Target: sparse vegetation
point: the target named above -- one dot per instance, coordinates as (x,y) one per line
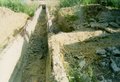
(68,3)
(71,17)
(19,6)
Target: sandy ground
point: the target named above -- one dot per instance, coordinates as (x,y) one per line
(10,24)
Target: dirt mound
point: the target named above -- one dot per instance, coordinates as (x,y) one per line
(74,18)
(84,17)
(5,11)
(10,23)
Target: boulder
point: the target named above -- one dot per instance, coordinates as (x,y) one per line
(118,20)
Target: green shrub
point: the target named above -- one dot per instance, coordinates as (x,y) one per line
(114,3)
(18,6)
(69,3)
(88,1)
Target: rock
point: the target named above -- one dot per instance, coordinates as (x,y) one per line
(117,61)
(113,24)
(118,20)
(105,16)
(84,78)
(82,63)
(116,52)
(110,49)
(102,79)
(94,24)
(99,25)
(86,24)
(105,80)
(104,24)
(92,20)
(109,80)
(114,66)
(105,62)
(113,51)
(101,52)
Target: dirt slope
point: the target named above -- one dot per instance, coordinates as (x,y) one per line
(10,23)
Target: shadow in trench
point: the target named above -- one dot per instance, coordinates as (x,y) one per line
(32,64)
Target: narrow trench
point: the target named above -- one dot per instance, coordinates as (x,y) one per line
(36,53)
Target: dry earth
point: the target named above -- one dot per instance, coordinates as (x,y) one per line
(10,24)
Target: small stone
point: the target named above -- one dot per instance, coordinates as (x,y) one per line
(116,52)
(98,25)
(101,52)
(109,80)
(113,51)
(94,24)
(117,61)
(105,17)
(82,63)
(104,25)
(110,49)
(92,20)
(118,20)
(113,24)
(103,64)
(102,79)
(114,66)
(85,24)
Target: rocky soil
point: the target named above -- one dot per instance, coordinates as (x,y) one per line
(93,59)
(80,18)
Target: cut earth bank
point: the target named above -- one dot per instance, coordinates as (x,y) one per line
(10,25)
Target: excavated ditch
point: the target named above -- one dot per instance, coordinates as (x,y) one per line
(83,54)
(34,70)
(33,62)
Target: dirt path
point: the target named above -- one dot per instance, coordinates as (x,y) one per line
(34,70)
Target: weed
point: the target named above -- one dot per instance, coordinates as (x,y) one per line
(71,17)
(69,3)
(19,6)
